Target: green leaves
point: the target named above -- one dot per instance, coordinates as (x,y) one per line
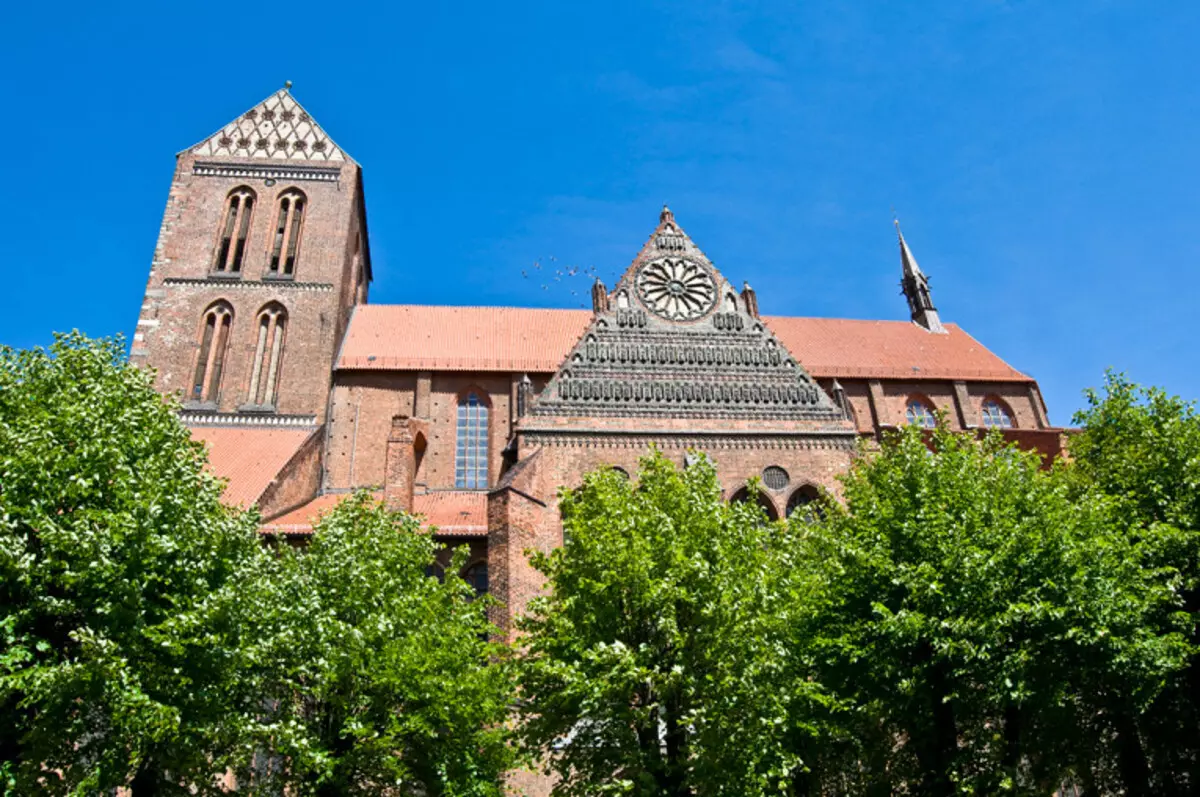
(658,662)
(968,621)
(112,536)
(379,676)
(148,637)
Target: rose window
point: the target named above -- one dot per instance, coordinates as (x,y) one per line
(676,289)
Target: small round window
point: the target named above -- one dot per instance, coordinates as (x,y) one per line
(775,477)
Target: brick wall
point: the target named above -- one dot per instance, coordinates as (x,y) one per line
(318,299)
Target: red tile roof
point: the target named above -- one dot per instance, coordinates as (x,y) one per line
(417,337)
(841,347)
(249,458)
(425,338)
(301,519)
(454,513)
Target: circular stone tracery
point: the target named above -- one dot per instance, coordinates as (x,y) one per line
(676,289)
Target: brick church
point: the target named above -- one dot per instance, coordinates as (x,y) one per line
(256,314)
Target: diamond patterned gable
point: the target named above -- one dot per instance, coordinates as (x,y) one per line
(278,128)
(677,341)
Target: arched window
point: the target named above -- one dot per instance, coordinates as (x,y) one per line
(235,229)
(918,413)
(996,415)
(210,359)
(743,496)
(268,353)
(471,452)
(804,500)
(285,246)
(477,576)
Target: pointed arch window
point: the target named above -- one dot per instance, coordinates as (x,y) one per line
(996,415)
(268,354)
(918,413)
(235,229)
(285,242)
(806,500)
(471,451)
(215,326)
(744,496)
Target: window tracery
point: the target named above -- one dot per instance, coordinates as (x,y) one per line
(235,229)
(285,244)
(215,326)
(268,355)
(743,495)
(996,415)
(918,413)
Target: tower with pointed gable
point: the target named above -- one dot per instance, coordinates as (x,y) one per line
(261,257)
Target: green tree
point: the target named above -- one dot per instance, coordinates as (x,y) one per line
(979,609)
(113,541)
(1141,447)
(656,664)
(374,677)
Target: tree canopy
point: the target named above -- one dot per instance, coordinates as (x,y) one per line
(149,638)
(375,677)
(657,662)
(113,539)
(1141,448)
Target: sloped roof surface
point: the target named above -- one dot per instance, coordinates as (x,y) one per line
(429,338)
(249,458)
(841,347)
(421,337)
(453,512)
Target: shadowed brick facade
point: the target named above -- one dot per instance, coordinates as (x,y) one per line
(256,314)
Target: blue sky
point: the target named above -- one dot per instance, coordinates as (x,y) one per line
(1042,157)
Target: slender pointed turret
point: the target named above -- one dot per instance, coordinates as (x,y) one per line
(915,285)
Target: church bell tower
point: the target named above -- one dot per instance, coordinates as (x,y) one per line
(261,257)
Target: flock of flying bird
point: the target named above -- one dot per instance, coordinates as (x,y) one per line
(591,273)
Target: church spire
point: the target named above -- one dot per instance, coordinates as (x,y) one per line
(915,285)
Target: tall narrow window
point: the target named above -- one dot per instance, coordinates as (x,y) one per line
(268,353)
(471,453)
(210,359)
(235,229)
(477,576)
(285,246)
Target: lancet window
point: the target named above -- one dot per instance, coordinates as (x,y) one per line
(285,242)
(235,229)
(268,355)
(215,326)
(471,451)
